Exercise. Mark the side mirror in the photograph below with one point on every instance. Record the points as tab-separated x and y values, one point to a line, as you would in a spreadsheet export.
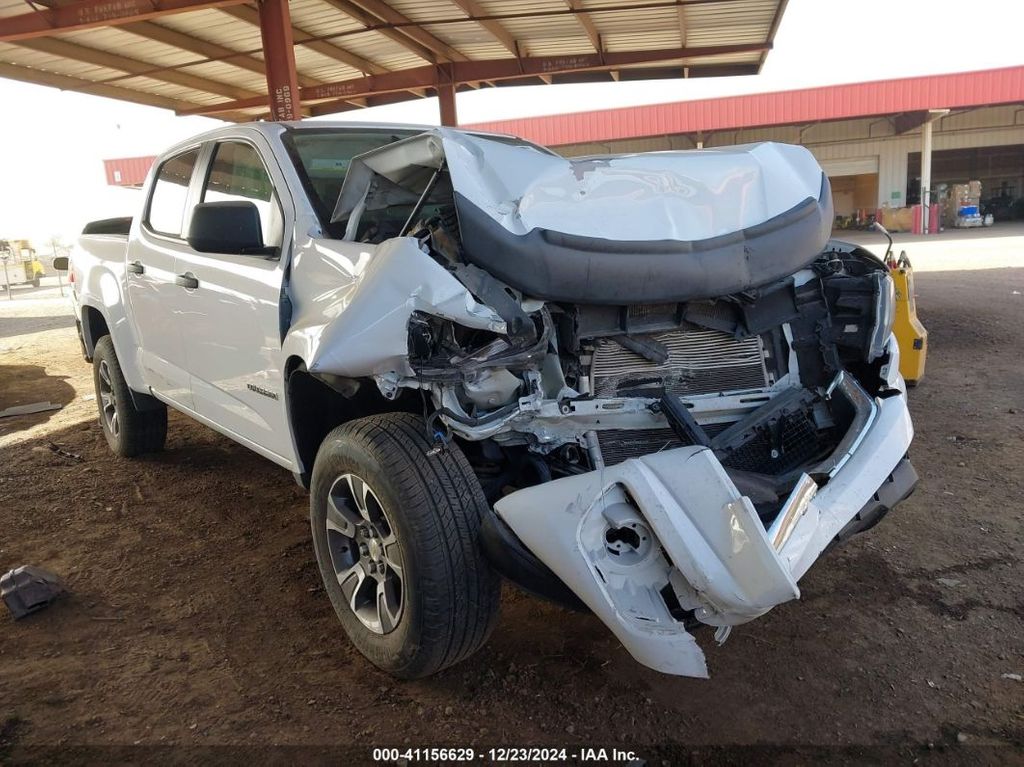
227	227
60	263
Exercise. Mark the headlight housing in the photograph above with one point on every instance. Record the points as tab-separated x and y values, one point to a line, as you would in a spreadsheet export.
885	315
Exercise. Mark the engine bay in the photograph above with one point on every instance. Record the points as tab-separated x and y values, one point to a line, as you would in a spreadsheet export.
770	377
572	388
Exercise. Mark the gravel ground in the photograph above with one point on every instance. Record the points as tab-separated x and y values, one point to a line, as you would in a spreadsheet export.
196	617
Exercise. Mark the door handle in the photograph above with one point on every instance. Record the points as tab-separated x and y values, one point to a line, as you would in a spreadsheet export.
136	267
187	280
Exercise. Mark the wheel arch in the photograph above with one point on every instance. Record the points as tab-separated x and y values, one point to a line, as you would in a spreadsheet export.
317	403
94	327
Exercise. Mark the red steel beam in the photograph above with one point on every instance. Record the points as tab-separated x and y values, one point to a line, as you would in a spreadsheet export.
76	84
502	35
413	30
279	54
96	13
588	24
488	69
446	98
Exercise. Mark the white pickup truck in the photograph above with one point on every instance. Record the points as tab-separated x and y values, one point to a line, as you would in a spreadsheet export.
642	385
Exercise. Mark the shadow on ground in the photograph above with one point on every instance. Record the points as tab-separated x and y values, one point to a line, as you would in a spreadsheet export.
26	384
17	326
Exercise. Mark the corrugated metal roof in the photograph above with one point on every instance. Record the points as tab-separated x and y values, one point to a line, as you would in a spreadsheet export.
193	54
834	102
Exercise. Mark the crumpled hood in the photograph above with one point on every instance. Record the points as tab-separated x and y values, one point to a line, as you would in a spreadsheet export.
692	195
679	195
613	229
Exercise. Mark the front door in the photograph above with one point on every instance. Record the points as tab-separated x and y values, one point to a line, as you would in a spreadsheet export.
231	318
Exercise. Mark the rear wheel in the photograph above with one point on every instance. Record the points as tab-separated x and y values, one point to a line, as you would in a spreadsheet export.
395	531
129	431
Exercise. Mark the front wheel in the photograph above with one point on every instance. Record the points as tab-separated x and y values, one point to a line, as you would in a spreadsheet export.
129	431
395	533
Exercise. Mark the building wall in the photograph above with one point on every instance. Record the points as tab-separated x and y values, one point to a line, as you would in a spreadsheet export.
850	140
852	193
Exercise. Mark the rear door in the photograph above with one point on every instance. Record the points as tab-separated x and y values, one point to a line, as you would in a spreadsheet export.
231	319
151	274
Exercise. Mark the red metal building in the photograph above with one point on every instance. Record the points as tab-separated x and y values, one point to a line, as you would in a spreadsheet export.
128	171
908	100
885	144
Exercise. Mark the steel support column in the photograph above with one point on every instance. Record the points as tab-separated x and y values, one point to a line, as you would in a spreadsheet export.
926	166
926	174
279	55
446	101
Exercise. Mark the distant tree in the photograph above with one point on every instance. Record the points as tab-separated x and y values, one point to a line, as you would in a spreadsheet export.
56	245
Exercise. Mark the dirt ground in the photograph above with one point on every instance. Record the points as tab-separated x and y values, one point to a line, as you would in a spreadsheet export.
196	617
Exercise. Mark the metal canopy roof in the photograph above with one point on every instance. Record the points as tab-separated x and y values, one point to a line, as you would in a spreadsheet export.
207	56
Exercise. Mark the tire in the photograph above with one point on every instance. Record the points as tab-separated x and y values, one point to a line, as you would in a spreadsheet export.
424	511
35	281
129	431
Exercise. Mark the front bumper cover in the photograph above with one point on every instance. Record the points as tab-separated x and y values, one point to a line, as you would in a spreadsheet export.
620	536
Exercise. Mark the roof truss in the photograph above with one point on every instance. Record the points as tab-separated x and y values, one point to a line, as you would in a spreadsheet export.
88	14
382	39
489	70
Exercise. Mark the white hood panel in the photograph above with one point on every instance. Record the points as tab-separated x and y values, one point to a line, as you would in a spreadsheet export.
685	195
640	228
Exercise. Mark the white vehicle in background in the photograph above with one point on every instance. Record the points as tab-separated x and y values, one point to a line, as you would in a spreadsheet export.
633	384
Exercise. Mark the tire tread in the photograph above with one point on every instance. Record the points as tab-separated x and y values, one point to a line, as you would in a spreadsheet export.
142	431
460	591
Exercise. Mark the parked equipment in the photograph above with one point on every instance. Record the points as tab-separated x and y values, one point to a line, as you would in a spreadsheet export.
18	264
910	333
963	205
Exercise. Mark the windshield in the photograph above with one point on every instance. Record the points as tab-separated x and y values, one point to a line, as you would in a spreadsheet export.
322	156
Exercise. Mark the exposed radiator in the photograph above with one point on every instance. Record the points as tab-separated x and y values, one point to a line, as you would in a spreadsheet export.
700	362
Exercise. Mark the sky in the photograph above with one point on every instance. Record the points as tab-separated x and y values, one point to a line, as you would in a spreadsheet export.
52	143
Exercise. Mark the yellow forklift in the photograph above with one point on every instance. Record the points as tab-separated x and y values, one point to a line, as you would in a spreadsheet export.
910	333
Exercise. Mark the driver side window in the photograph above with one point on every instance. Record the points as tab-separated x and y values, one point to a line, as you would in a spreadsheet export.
237	174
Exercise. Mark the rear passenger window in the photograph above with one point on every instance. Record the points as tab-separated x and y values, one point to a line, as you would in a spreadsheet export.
167	204
237	174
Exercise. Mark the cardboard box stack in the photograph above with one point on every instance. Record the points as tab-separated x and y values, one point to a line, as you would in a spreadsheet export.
963	205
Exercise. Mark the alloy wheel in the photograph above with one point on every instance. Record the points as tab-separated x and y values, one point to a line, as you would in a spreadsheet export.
108	400
365	554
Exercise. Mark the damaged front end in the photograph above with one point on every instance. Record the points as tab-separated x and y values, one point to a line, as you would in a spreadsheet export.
677	402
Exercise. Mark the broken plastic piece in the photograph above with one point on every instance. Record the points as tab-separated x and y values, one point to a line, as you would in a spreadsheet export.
28	589
35	407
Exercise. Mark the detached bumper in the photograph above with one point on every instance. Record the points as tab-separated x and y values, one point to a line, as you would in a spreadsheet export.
671	528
